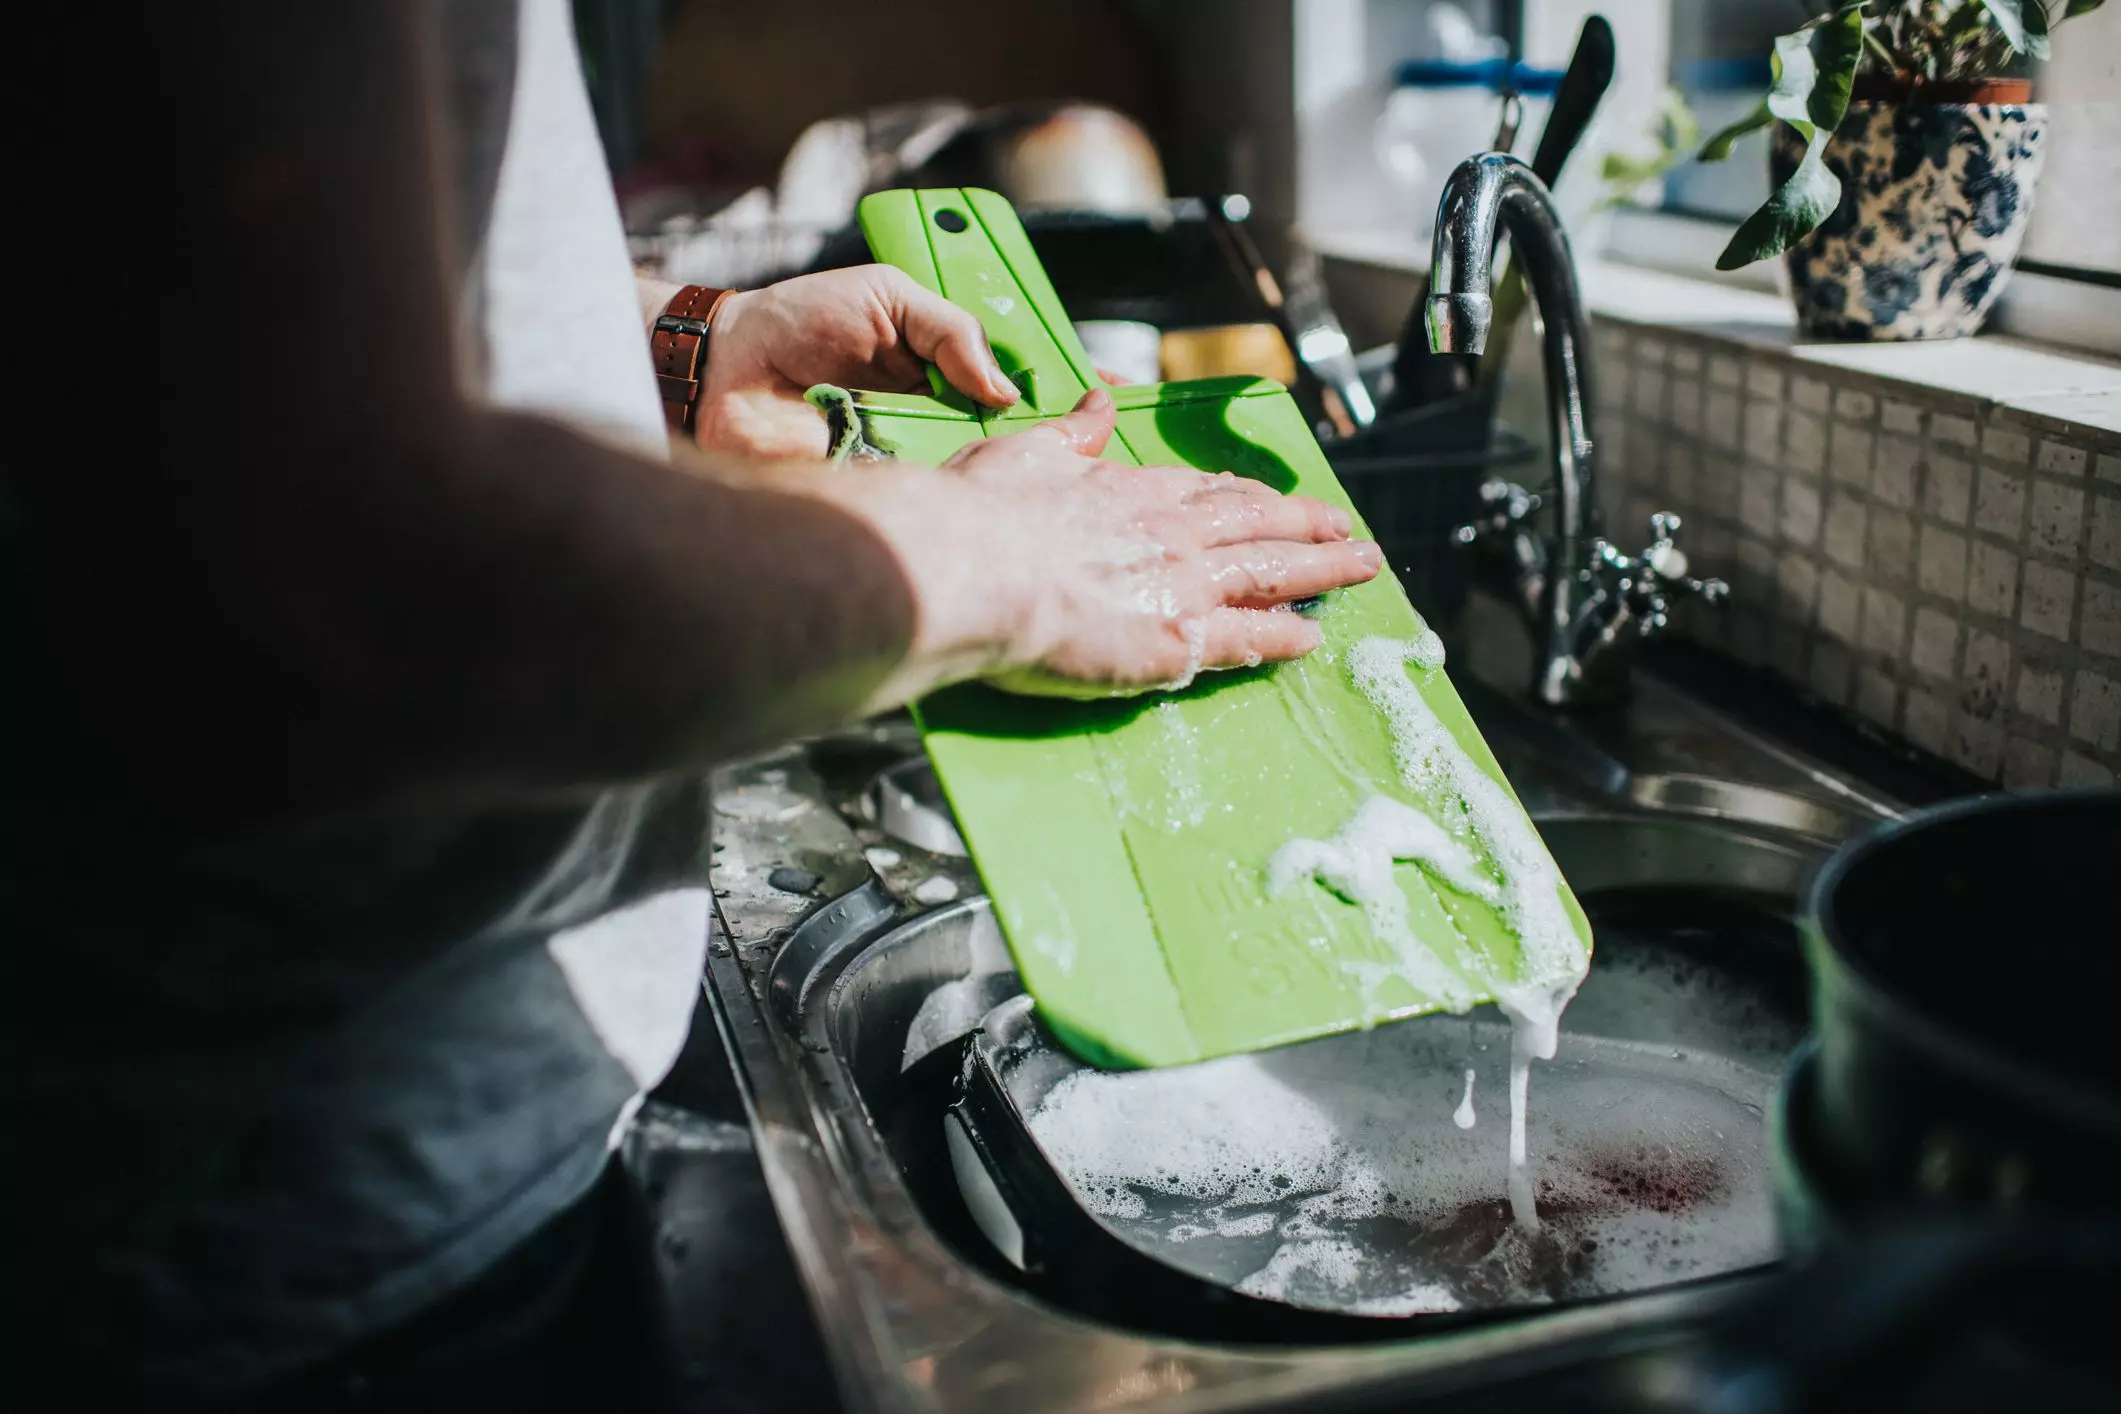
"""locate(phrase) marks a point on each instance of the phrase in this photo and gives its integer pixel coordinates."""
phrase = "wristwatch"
(679, 348)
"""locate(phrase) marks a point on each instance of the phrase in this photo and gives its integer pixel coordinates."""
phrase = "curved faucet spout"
(1485, 193)
(1585, 599)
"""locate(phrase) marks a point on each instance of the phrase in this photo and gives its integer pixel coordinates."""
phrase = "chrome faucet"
(1584, 599)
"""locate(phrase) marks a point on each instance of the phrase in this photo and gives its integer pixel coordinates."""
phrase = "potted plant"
(1904, 155)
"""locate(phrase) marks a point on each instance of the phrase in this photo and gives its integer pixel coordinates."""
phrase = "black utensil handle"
(1576, 98)
(1421, 377)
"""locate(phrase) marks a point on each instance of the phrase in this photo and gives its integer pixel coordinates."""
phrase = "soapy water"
(1335, 1175)
(1513, 872)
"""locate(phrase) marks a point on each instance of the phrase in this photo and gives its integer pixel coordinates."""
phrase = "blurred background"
(743, 135)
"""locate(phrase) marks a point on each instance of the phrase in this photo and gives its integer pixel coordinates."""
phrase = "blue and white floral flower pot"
(1935, 199)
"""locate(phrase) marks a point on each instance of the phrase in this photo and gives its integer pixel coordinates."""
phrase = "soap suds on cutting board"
(1512, 871)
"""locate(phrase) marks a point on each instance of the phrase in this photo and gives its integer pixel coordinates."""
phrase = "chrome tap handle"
(1649, 582)
(1505, 507)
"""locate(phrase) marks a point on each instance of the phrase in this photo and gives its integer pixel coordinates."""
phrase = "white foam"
(1357, 864)
(1526, 887)
(1463, 1116)
(881, 858)
(936, 888)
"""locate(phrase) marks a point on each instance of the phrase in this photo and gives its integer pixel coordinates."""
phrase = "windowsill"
(2041, 380)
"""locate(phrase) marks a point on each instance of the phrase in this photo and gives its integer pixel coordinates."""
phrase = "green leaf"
(2024, 25)
(1791, 214)
(1719, 146)
(1815, 67)
(2080, 7)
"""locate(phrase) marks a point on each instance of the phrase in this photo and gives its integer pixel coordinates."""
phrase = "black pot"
(1966, 970)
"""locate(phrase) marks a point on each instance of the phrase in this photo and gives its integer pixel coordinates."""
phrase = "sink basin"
(1649, 1123)
(852, 1015)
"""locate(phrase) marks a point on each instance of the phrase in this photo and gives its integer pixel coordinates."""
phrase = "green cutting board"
(1124, 843)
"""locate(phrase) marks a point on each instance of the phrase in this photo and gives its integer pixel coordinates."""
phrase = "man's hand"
(870, 327)
(1049, 571)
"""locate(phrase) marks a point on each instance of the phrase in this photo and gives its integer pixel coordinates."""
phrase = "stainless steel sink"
(845, 1007)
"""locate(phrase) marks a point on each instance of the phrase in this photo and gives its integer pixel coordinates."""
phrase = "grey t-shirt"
(467, 1007)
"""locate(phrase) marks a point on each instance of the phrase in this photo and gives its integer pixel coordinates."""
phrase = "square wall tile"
(1893, 483)
(1721, 417)
(2095, 710)
(1804, 442)
(1796, 587)
(1845, 527)
(1884, 623)
(1840, 606)
(1757, 501)
(1810, 394)
(1948, 488)
(1800, 512)
(1723, 482)
(1682, 474)
(2006, 445)
(1999, 503)
(2104, 547)
(1892, 545)
(2059, 458)
(2100, 630)
(1934, 650)
(1646, 393)
(2039, 693)
(1763, 430)
(2056, 520)
(1849, 453)
(1992, 580)
(1896, 416)
(1854, 405)
(1941, 564)
(2050, 593)
(1983, 672)
(1684, 405)
(1951, 429)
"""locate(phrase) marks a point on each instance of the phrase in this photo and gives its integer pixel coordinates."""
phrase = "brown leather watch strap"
(679, 349)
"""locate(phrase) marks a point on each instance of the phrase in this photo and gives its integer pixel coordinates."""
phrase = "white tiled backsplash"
(1946, 568)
